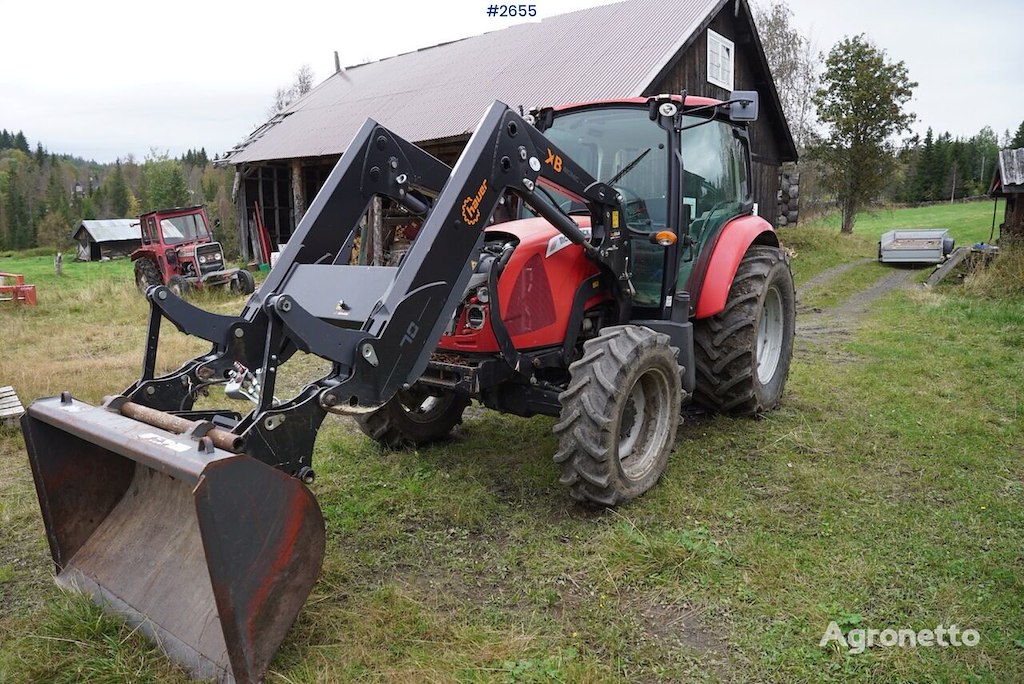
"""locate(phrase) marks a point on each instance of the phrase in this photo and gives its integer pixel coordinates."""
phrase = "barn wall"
(690, 73)
(1012, 227)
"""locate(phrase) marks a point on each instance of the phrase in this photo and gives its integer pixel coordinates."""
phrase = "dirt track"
(818, 330)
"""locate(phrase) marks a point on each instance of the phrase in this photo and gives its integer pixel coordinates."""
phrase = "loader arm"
(377, 325)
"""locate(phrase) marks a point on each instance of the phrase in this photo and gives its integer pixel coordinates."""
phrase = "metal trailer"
(915, 246)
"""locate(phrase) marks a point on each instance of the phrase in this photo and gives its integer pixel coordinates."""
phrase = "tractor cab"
(680, 168)
(176, 227)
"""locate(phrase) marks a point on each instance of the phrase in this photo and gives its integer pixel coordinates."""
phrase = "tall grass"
(1004, 277)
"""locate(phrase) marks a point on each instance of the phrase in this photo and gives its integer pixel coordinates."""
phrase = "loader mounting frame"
(377, 325)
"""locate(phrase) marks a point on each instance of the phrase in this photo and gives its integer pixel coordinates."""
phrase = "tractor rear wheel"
(146, 274)
(619, 415)
(414, 417)
(743, 353)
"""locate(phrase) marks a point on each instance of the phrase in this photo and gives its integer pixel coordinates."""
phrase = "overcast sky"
(104, 79)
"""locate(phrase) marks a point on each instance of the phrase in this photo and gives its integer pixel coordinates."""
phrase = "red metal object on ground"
(19, 292)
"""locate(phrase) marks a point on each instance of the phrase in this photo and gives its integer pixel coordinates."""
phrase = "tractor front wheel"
(619, 415)
(243, 283)
(179, 285)
(743, 353)
(414, 417)
(146, 274)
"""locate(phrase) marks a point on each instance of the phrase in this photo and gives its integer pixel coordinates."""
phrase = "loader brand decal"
(554, 161)
(164, 442)
(471, 205)
(560, 242)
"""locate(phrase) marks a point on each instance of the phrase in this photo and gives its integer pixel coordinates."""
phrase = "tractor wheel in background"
(242, 283)
(146, 274)
(619, 415)
(414, 417)
(179, 286)
(743, 352)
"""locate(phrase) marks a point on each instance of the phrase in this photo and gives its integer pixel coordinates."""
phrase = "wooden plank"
(10, 401)
(954, 260)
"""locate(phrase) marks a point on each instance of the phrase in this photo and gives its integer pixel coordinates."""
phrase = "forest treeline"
(44, 195)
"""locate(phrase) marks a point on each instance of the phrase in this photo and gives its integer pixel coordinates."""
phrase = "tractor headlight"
(216, 257)
(202, 259)
(475, 317)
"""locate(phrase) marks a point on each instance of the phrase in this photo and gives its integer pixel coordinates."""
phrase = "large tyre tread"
(725, 343)
(389, 426)
(588, 463)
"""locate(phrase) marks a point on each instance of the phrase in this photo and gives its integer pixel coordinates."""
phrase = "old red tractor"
(178, 250)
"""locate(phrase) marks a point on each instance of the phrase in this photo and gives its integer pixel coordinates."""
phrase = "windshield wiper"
(627, 168)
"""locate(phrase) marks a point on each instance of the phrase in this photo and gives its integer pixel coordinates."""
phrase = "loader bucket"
(210, 554)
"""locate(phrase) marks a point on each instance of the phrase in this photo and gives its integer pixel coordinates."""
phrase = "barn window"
(720, 60)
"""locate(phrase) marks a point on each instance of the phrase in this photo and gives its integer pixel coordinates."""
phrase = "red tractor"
(178, 250)
(710, 308)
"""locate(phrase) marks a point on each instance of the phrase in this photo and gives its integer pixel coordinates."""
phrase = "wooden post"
(298, 196)
(58, 264)
(377, 221)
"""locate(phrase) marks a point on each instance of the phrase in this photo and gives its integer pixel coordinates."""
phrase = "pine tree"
(56, 195)
(17, 213)
(1018, 137)
(118, 192)
(21, 143)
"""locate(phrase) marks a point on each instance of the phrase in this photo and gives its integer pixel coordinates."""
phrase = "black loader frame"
(381, 332)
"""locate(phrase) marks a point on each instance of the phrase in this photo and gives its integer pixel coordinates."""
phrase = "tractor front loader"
(198, 526)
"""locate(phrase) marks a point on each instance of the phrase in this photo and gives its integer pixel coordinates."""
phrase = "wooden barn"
(1008, 182)
(107, 238)
(436, 95)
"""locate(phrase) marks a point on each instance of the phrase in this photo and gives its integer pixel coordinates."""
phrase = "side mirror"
(743, 105)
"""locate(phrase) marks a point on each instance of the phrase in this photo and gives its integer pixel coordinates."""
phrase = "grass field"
(884, 493)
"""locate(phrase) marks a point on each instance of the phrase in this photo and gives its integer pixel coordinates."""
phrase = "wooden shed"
(1008, 182)
(107, 238)
(436, 95)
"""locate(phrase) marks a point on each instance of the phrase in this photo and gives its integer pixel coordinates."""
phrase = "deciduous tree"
(792, 59)
(283, 97)
(861, 102)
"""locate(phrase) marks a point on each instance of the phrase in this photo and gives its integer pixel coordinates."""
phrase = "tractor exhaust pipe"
(211, 554)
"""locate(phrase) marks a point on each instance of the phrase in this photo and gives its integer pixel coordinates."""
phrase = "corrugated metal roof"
(1011, 166)
(439, 92)
(109, 230)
